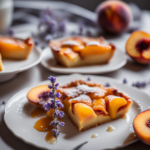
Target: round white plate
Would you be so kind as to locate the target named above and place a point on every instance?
(18, 120)
(12, 67)
(118, 60)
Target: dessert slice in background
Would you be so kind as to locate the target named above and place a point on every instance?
(138, 47)
(14, 48)
(1, 65)
(79, 51)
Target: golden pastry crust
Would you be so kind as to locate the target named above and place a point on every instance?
(82, 92)
(79, 51)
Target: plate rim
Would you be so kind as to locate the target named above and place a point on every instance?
(35, 48)
(124, 61)
(44, 82)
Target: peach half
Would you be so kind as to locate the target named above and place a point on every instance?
(141, 125)
(114, 16)
(33, 95)
(138, 47)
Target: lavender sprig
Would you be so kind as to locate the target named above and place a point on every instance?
(54, 104)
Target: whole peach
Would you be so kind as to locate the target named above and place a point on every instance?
(114, 16)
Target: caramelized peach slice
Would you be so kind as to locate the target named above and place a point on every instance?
(83, 112)
(82, 99)
(13, 48)
(141, 125)
(94, 49)
(69, 53)
(113, 104)
(99, 104)
(33, 94)
(1, 65)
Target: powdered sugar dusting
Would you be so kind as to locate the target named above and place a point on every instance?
(111, 97)
(82, 98)
(70, 42)
(71, 92)
(93, 43)
(68, 50)
(86, 89)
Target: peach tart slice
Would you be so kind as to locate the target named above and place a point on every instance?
(138, 47)
(14, 48)
(79, 51)
(87, 103)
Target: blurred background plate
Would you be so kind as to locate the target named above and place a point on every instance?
(117, 61)
(12, 67)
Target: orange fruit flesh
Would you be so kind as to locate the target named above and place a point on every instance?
(99, 104)
(83, 112)
(141, 128)
(131, 45)
(93, 50)
(114, 104)
(33, 94)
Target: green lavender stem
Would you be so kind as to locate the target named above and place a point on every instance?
(55, 108)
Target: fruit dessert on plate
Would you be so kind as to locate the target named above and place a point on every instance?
(87, 103)
(14, 48)
(79, 51)
(138, 47)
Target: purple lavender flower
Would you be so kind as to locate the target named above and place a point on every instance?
(107, 84)
(36, 41)
(47, 106)
(52, 26)
(59, 104)
(61, 114)
(56, 84)
(51, 95)
(73, 33)
(125, 81)
(48, 37)
(88, 32)
(11, 32)
(3, 102)
(50, 86)
(44, 96)
(55, 133)
(52, 79)
(61, 124)
(54, 104)
(139, 84)
(58, 95)
(54, 123)
(81, 27)
(62, 26)
(89, 79)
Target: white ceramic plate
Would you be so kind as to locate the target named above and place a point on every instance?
(18, 120)
(12, 67)
(118, 60)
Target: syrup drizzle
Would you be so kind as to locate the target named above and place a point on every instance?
(43, 124)
(37, 112)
